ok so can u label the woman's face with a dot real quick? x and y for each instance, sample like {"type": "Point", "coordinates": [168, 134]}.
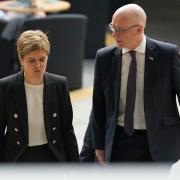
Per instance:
{"type": "Point", "coordinates": [34, 66]}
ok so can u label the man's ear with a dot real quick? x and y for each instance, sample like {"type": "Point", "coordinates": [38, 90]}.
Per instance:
{"type": "Point", "coordinates": [140, 29]}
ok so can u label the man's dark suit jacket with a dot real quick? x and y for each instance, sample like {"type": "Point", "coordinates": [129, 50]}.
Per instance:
{"type": "Point", "coordinates": [57, 113]}
{"type": "Point", "coordinates": [161, 85]}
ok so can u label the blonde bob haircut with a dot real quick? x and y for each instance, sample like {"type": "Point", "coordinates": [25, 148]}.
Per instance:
{"type": "Point", "coordinates": [32, 40]}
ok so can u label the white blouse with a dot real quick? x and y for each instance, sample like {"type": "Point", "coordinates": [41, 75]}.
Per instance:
{"type": "Point", "coordinates": [34, 98]}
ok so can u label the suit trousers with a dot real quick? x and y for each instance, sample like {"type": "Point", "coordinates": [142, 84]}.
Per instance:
{"type": "Point", "coordinates": [130, 148]}
{"type": "Point", "coordinates": [40, 153]}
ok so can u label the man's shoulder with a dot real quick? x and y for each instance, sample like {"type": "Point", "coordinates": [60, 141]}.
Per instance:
{"type": "Point", "coordinates": [161, 44]}
{"type": "Point", "coordinates": [107, 50]}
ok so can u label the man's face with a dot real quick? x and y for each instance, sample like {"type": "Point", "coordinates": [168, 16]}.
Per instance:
{"type": "Point", "coordinates": [125, 32]}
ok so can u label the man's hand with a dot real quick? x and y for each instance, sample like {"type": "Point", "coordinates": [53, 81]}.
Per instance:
{"type": "Point", "coordinates": [100, 154]}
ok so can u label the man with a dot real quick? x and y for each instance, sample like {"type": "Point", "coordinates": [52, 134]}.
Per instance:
{"type": "Point", "coordinates": [136, 121]}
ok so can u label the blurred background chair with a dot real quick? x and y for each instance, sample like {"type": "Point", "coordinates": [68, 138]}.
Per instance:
{"type": "Point", "coordinates": [5, 53]}
{"type": "Point", "coordinates": [66, 34]}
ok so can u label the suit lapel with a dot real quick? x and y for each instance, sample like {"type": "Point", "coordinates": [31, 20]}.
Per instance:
{"type": "Point", "coordinates": [20, 102]}
{"type": "Point", "coordinates": [49, 103]}
{"type": "Point", "coordinates": [150, 59]}
{"type": "Point", "coordinates": [117, 62]}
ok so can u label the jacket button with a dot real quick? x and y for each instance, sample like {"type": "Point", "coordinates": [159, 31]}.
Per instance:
{"type": "Point", "coordinates": [54, 141]}
{"type": "Point", "coordinates": [15, 115]}
{"type": "Point", "coordinates": [54, 115]}
{"type": "Point", "coordinates": [16, 129]}
{"type": "Point", "coordinates": [18, 143]}
{"type": "Point", "coordinates": [54, 128]}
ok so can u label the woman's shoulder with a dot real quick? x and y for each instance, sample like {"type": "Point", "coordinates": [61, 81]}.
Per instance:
{"type": "Point", "coordinates": [8, 79]}
{"type": "Point", "coordinates": [56, 80]}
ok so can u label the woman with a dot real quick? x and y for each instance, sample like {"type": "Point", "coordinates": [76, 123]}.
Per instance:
{"type": "Point", "coordinates": [35, 108]}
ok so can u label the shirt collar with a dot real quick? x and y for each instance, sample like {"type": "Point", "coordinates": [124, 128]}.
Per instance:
{"type": "Point", "coordinates": [141, 48]}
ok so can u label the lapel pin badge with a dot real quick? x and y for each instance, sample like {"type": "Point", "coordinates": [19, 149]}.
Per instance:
{"type": "Point", "coordinates": [151, 58]}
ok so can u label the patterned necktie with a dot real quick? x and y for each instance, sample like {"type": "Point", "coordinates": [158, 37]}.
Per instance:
{"type": "Point", "coordinates": [130, 96]}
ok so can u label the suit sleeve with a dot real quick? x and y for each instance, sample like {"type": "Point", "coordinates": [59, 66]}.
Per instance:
{"type": "Point", "coordinates": [87, 152]}
{"type": "Point", "coordinates": [176, 72]}
{"type": "Point", "coordinates": [70, 142]}
{"type": "Point", "coordinates": [2, 122]}
{"type": "Point", "coordinates": [98, 108]}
